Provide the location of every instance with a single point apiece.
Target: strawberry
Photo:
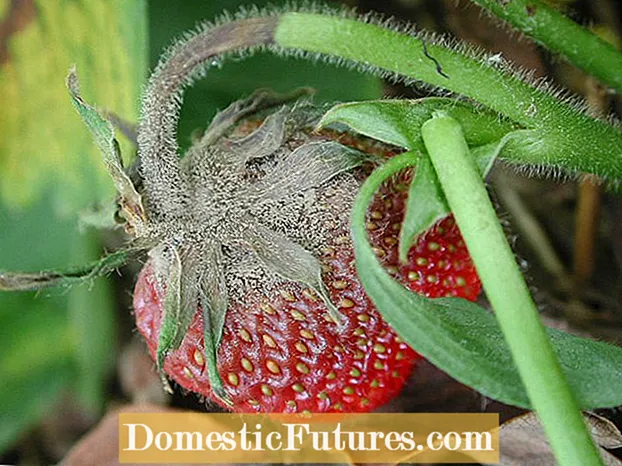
(250, 296)
(282, 352)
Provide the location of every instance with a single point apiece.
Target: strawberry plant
(239, 228)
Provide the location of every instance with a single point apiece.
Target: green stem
(560, 34)
(533, 354)
(574, 140)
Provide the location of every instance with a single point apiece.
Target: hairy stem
(533, 354)
(158, 150)
(550, 28)
(574, 140)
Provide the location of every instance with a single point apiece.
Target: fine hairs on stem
(570, 140)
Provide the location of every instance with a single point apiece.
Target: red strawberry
(250, 295)
(251, 263)
(280, 350)
(438, 264)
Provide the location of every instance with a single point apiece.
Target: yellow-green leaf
(44, 142)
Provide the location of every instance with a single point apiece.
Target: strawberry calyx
(230, 206)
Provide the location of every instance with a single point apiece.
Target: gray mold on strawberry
(251, 296)
(236, 213)
(260, 207)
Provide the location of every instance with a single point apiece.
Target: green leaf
(463, 339)
(399, 122)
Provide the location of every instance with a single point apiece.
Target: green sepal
(425, 205)
(213, 319)
(180, 300)
(214, 301)
(399, 122)
(170, 312)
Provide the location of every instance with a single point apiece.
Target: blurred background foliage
(50, 171)
(62, 345)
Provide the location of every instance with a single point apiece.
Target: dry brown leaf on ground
(138, 376)
(100, 447)
(523, 442)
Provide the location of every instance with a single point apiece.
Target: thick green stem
(574, 141)
(505, 287)
(550, 28)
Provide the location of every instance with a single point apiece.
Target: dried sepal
(289, 260)
(103, 134)
(263, 141)
(10, 281)
(259, 100)
(309, 166)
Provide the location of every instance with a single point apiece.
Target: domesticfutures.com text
(296, 436)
